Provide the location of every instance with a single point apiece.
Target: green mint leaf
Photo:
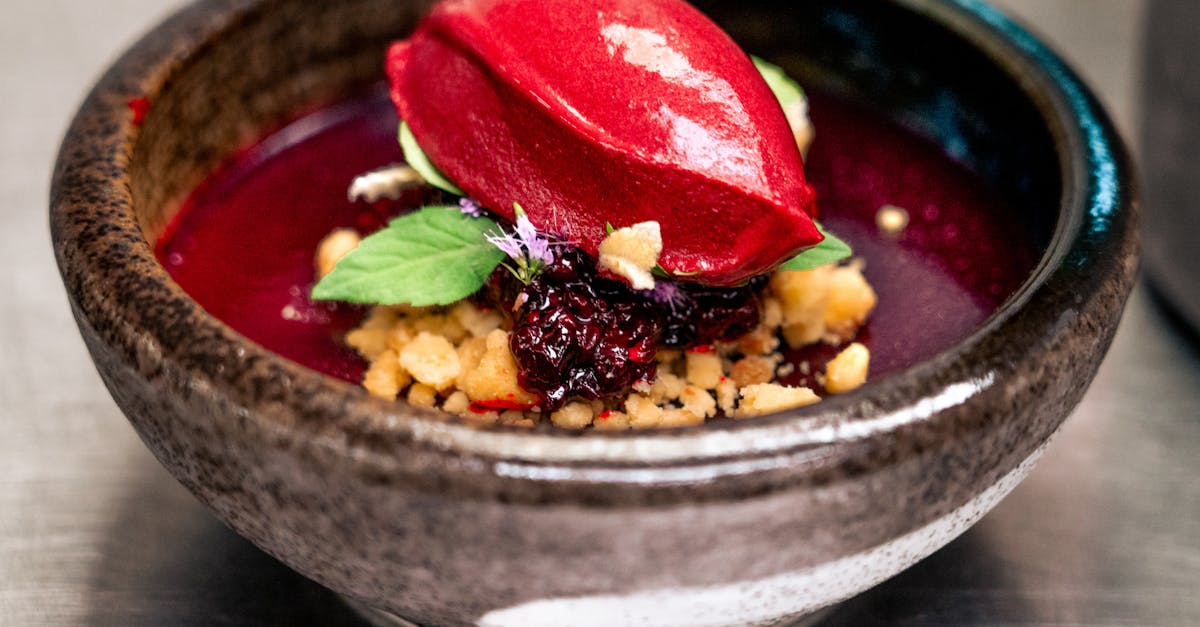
(419, 161)
(433, 256)
(787, 91)
(831, 250)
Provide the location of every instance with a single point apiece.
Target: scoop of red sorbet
(595, 112)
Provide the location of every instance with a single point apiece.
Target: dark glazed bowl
(728, 523)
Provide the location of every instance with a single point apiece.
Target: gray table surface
(94, 531)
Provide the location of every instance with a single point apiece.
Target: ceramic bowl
(440, 523)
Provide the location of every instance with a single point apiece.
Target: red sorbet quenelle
(596, 112)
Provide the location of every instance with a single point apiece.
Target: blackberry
(699, 314)
(577, 334)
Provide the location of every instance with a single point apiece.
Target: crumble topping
(457, 358)
(632, 252)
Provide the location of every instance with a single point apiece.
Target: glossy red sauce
(243, 244)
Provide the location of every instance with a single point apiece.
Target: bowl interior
(273, 65)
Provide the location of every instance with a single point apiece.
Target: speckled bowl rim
(1097, 229)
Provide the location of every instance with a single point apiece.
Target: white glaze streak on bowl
(763, 601)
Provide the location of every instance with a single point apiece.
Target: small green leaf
(831, 250)
(787, 91)
(419, 161)
(433, 256)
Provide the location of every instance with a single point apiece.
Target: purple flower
(507, 243)
(531, 250)
(668, 293)
(536, 246)
(470, 207)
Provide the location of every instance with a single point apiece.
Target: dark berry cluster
(702, 314)
(579, 335)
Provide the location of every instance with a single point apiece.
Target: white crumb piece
(704, 370)
(495, 378)
(698, 402)
(456, 403)
(421, 395)
(727, 394)
(432, 360)
(611, 421)
(385, 378)
(335, 246)
(632, 252)
(847, 371)
(642, 387)
(767, 398)
(573, 416)
(851, 300)
(387, 182)
(891, 220)
(643, 412)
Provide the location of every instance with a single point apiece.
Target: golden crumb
(704, 369)
(458, 359)
(421, 395)
(515, 418)
(336, 245)
(753, 369)
(667, 387)
(768, 398)
(384, 378)
(802, 295)
(611, 421)
(457, 403)
(851, 300)
(632, 252)
(847, 371)
(573, 416)
(643, 412)
(432, 360)
(677, 418)
(727, 395)
(495, 378)
(698, 401)
(891, 220)
(477, 322)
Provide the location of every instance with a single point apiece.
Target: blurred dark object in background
(1171, 153)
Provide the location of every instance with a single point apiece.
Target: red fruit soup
(243, 244)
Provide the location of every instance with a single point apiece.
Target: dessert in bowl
(439, 522)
